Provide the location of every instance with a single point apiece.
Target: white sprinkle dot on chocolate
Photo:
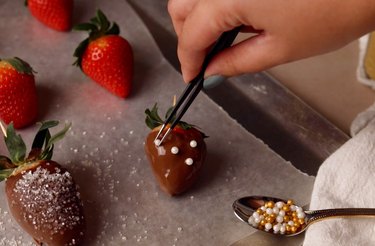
(189, 161)
(193, 143)
(174, 150)
(157, 142)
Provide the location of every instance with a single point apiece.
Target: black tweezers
(195, 86)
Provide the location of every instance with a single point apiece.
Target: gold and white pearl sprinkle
(279, 217)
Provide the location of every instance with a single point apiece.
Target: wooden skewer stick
(3, 129)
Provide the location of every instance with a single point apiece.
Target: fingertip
(187, 76)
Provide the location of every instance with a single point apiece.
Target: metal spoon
(246, 206)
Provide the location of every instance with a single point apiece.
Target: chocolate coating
(173, 174)
(45, 202)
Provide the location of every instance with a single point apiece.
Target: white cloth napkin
(347, 179)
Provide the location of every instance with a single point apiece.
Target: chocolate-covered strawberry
(42, 195)
(177, 162)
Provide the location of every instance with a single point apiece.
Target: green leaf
(152, 117)
(185, 125)
(5, 163)
(43, 133)
(41, 138)
(114, 30)
(4, 174)
(20, 65)
(48, 151)
(85, 27)
(78, 53)
(104, 23)
(16, 146)
(95, 21)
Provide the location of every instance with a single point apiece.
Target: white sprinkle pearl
(268, 226)
(189, 161)
(255, 215)
(193, 143)
(282, 229)
(174, 150)
(275, 210)
(279, 219)
(291, 223)
(276, 228)
(269, 211)
(251, 220)
(301, 215)
(157, 142)
(282, 213)
(280, 204)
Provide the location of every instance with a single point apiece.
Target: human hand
(287, 30)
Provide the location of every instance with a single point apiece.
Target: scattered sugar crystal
(43, 193)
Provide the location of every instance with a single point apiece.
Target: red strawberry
(106, 57)
(42, 195)
(177, 162)
(18, 99)
(56, 14)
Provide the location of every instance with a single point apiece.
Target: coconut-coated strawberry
(56, 14)
(42, 195)
(106, 57)
(18, 97)
(176, 163)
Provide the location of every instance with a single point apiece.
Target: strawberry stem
(4, 174)
(97, 27)
(16, 146)
(20, 65)
(153, 119)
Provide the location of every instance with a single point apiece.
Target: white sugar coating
(43, 193)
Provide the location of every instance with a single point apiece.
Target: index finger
(179, 10)
(206, 22)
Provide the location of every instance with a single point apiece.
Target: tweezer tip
(164, 136)
(158, 141)
(158, 135)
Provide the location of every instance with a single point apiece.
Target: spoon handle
(316, 215)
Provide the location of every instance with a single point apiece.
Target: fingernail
(213, 81)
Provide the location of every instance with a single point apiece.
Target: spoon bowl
(245, 207)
